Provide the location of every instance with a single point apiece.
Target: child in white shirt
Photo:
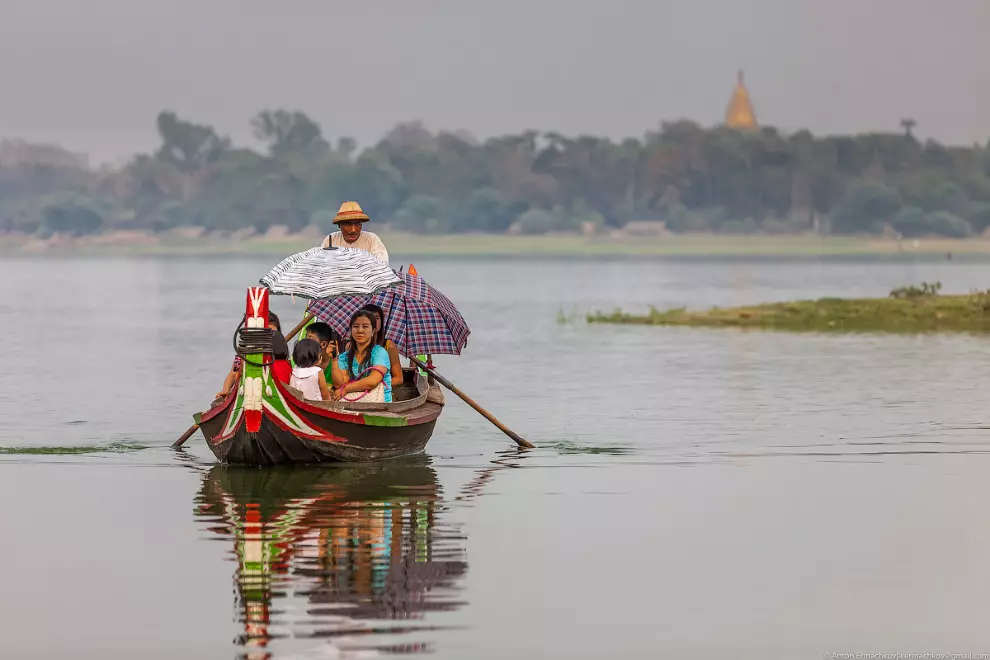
(307, 376)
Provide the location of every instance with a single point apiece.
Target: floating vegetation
(925, 290)
(567, 319)
(108, 448)
(568, 448)
(907, 309)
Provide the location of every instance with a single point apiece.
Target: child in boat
(323, 335)
(307, 376)
(280, 352)
(235, 368)
(393, 350)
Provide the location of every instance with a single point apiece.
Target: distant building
(740, 114)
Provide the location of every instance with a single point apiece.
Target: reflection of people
(356, 538)
(359, 372)
(349, 221)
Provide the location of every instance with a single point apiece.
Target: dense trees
(692, 178)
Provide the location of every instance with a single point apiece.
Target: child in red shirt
(280, 351)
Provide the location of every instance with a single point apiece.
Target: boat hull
(272, 445)
(263, 421)
(288, 429)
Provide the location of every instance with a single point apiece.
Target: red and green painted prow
(252, 376)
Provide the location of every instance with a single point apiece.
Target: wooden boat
(265, 422)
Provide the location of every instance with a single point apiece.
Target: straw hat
(350, 211)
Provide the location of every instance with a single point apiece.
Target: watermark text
(906, 656)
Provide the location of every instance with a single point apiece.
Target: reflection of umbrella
(329, 272)
(320, 530)
(419, 318)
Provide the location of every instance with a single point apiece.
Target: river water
(694, 494)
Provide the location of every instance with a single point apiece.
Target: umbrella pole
(468, 400)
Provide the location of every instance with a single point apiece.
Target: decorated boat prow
(263, 421)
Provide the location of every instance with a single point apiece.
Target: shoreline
(508, 246)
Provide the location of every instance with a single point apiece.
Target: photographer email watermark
(905, 656)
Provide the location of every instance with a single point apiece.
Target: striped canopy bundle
(418, 318)
(328, 273)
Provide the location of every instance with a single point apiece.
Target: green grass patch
(108, 448)
(912, 314)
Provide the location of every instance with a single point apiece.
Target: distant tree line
(693, 179)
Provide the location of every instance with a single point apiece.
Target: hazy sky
(92, 74)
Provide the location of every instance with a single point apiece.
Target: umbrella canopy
(418, 318)
(329, 272)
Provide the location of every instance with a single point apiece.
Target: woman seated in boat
(235, 368)
(359, 373)
(393, 350)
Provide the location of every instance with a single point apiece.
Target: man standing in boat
(350, 220)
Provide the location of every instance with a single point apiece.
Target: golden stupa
(740, 113)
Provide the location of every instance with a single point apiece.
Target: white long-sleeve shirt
(367, 241)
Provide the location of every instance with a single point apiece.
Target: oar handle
(185, 436)
(192, 429)
(522, 442)
(307, 317)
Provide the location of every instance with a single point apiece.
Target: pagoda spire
(740, 114)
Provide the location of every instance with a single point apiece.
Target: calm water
(695, 493)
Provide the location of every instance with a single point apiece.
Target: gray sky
(92, 74)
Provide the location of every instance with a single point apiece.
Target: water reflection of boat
(340, 544)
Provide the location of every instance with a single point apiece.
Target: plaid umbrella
(328, 272)
(418, 318)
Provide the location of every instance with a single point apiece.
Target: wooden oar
(185, 436)
(192, 429)
(468, 400)
(307, 317)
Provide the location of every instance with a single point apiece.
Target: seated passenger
(323, 335)
(359, 372)
(280, 353)
(235, 368)
(307, 376)
(393, 350)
